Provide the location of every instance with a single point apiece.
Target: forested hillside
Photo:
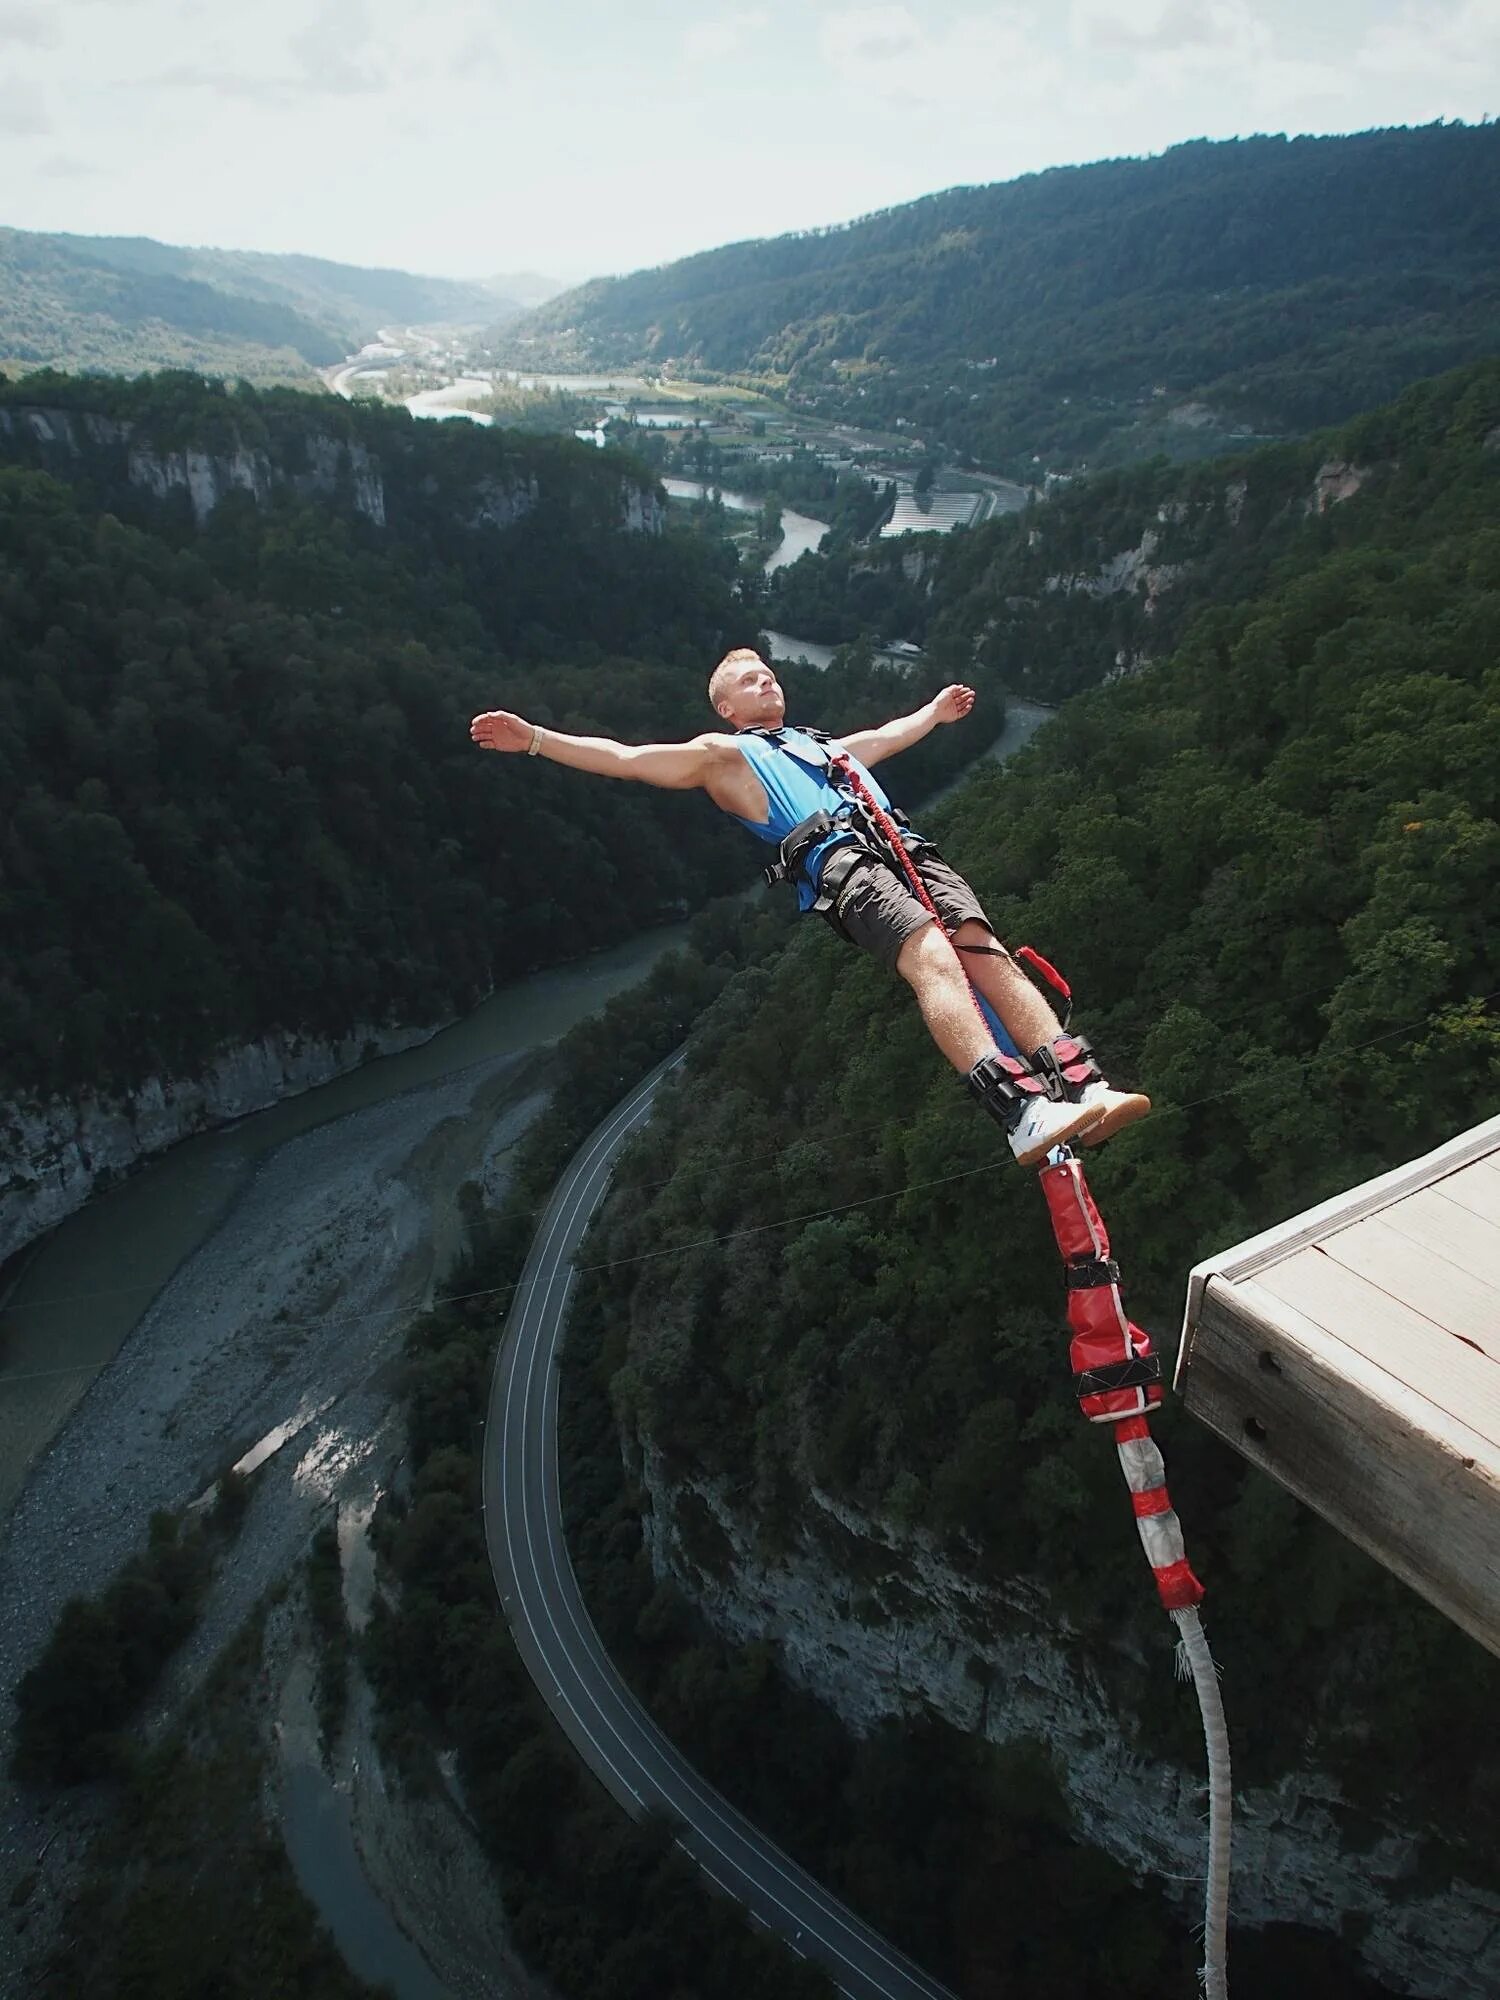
(1113, 570)
(236, 788)
(1095, 313)
(121, 303)
(1269, 866)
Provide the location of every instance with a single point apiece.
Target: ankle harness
(1069, 1065)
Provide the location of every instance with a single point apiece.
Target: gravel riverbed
(287, 1323)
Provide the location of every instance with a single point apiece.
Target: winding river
(800, 533)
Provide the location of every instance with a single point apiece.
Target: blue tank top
(793, 767)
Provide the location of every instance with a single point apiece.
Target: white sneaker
(1046, 1123)
(1117, 1109)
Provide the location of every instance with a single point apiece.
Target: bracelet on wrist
(534, 746)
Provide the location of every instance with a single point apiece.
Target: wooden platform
(1354, 1354)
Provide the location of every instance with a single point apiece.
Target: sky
(470, 137)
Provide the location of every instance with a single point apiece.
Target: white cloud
(23, 115)
(351, 49)
(476, 58)
(68, 167)
(222, 82)
(717, 41)
(1215, 66)
(1157, 25)
(342, 51)
(339, 52)
(1458, 42)
(29, 27)
(885, 53)
(863, 35)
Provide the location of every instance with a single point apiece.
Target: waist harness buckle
(804, 836)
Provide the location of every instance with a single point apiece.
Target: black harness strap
(864, 843)
(1136, 1373)
(1084, 1276)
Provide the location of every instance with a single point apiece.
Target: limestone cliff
(876, 1623)
(58, 440)
(118, 457)
(55, 1154)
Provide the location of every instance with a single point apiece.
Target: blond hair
(722, 674)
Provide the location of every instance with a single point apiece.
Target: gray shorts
(877, 910)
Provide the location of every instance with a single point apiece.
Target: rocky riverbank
(55, 1155)
(280, 1337)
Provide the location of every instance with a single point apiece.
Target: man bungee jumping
(812, 798)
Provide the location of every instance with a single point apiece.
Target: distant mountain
(129, 303)
(524, 288)
(1259, 286)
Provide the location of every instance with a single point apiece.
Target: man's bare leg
(927, 963)
(1034, 1120)
(1024, 1014)
(1031, 1023)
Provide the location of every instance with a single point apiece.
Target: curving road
(607, 1726)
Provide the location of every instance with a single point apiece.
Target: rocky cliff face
(1138, 571)
(1131, 570)
(54, 1155)
(64, 442)
(58, 439)
(1336, 482)
(876, 1623)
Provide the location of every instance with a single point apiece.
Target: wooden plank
(1416, 1488)
(1426, 1358)
(1429, 1219)
(1476, 1189)
(1245, 1259)
(1429, 1282)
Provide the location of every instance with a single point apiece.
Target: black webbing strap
(803, 837)
(1135, 1373)
(1082, 1277)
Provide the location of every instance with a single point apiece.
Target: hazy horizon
(578, 145)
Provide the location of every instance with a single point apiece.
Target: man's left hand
(954, 703)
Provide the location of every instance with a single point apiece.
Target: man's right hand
(500, 730)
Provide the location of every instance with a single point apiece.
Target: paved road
(562, 1651)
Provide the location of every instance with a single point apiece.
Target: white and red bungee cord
(1117, 1377)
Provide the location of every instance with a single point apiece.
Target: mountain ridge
(129, 303)
(1283, 283)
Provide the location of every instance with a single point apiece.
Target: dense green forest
(1113, 570)
(1263, 286)
(237, 793)
(122, 303)
(1268, 865)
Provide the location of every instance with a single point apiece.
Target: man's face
(753, 698)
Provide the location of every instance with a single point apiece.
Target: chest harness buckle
(862, 843)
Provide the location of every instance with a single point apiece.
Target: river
(799, 532)
(83, 1288)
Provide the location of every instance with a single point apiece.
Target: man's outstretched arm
(675, 767)
(870, 745)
